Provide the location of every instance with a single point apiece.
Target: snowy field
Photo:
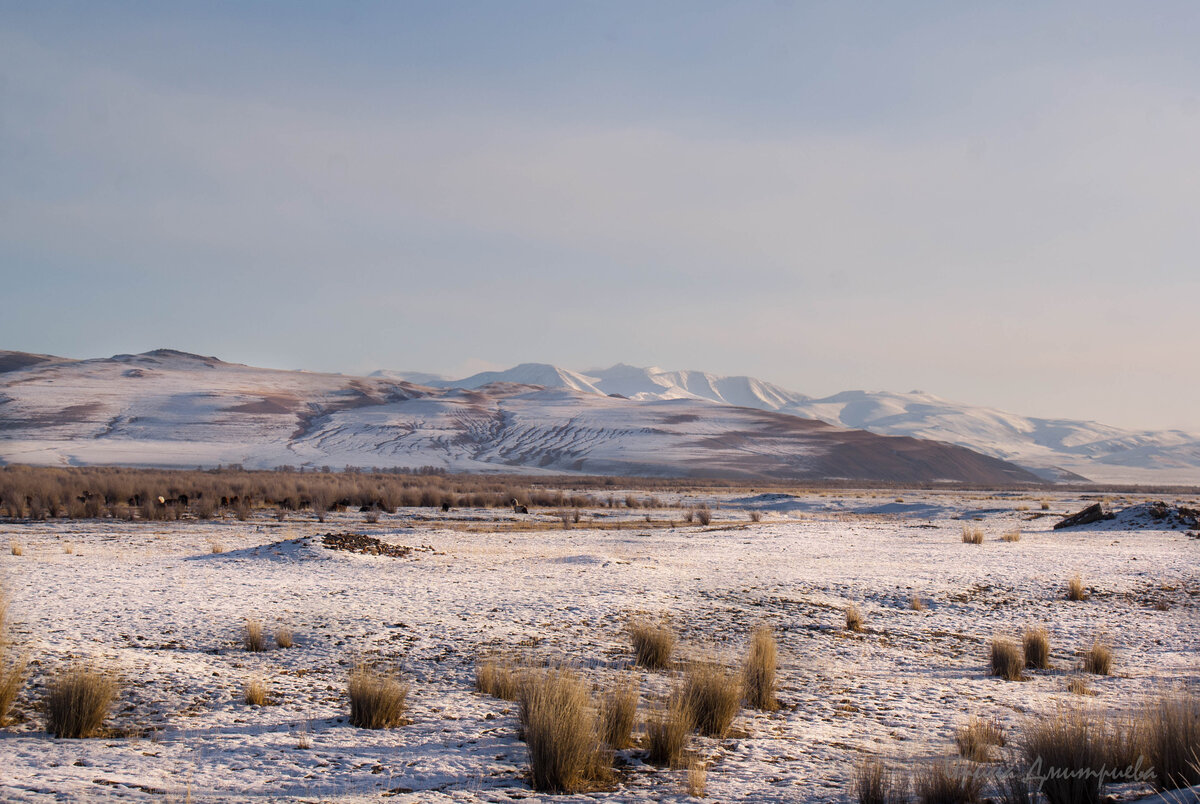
(154, 602)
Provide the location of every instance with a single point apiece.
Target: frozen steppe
(154, 603)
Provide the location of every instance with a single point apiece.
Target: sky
(994, 203)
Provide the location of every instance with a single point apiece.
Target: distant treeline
(123, 493)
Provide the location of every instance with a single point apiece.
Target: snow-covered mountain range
(168, 408)
(1052, 448)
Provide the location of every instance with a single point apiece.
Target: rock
(1093, 513)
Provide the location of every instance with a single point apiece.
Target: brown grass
(1006, 659)
(1036, 643)
(972, 535)
(713, 697)
(1098, 659)
(704, 515)
(916, 603)
(976, 738)
(1073, 745)
(876, 783)
(252, 636)
(1011, 536)
(947, 783)
(667, 731)
(652, 645)
(618, 714)
(854, 618)
(697, 778)
(756, 516)
(16, 549)
(12, 678)
(1078, 686)
(758, 673)
(1170, 736)
(77, 701)
(1075, 590)
(255, 693)
(498, 679)
(562, 735)
(377, 701)
(217, 548)
(283, 637)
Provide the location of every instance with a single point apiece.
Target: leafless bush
(1075, 590)
(854, 618)
(618, 713)
(713, 698)
(947, 783)
(972, 535)
(652, 644)
(283, 636)
(77, 701)
(704, 515)
(758, 674)
(667, 731)
(1036, 643)
(558, 720)
(1007, 660)
(756, 516)
(1098, 658)
(252, 636)
(689, 515)
(255, 693)
(377, 701)
(976, 738)
(876, 783)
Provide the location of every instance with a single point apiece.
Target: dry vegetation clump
(652, 644)
(1007, 660)
(255, 693)
(498, 679)
(566, 754)
(756, 516)
(377, 701)
(947, 782)
(972, 535)
(704, 514)
(758, 674)
(252, 636)
(1170, 736)
(916, 603)
(713, 697)
(667, 732)
(854, 618)
(876, 783)
(697, 778)
(1011, 536)
(283, 637)
(618, 714)
(1075, 590)
(77, 701)
(1073, 744)
(1078, 686)
(12, 668)
(975, 740)
(217, 548)
(1036, 643)
(16, 549)
(1098, 658)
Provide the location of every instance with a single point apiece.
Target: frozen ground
(153, 602)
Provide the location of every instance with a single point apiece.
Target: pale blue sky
(994, 204)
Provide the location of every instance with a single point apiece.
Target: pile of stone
(361, 543)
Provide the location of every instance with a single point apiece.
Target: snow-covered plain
(153, 602)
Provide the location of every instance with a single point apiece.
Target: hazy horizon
(994, 205)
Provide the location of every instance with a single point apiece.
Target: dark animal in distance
(518, 508)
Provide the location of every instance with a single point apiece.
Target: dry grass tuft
(1073, 744)
(756, 516)
(667, 732)
(713, 697)
(69, 548)
(1098, 659)
(377, 701)
(77, 701)
(972, 535)
(1170, 735)
(217, 548)
(875, 783)
(916, 603)
(704, 515)
(16, 549)
(283, 637)
(652, 645)
(559, 723)
(252, 636)
(947, 783)
(1075, 590)
(12, 678)
(1037, 648)
(618, 713)
(975, 740)
(255, 693)
(1045, 505)
(498, 679)
(1078, 686)
(854, 618)
(1007, 660)
(1011, 536)
(697, 778)
(758, 674)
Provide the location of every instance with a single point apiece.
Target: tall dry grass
(875, 783)
(558, 719)
(618, 714)
(713, 697)
(652, 644)
(667, 731)
(1036, 643)
(758, 673)
(77, 701)
(377, 700)
(1006, 659)
(498, 679)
